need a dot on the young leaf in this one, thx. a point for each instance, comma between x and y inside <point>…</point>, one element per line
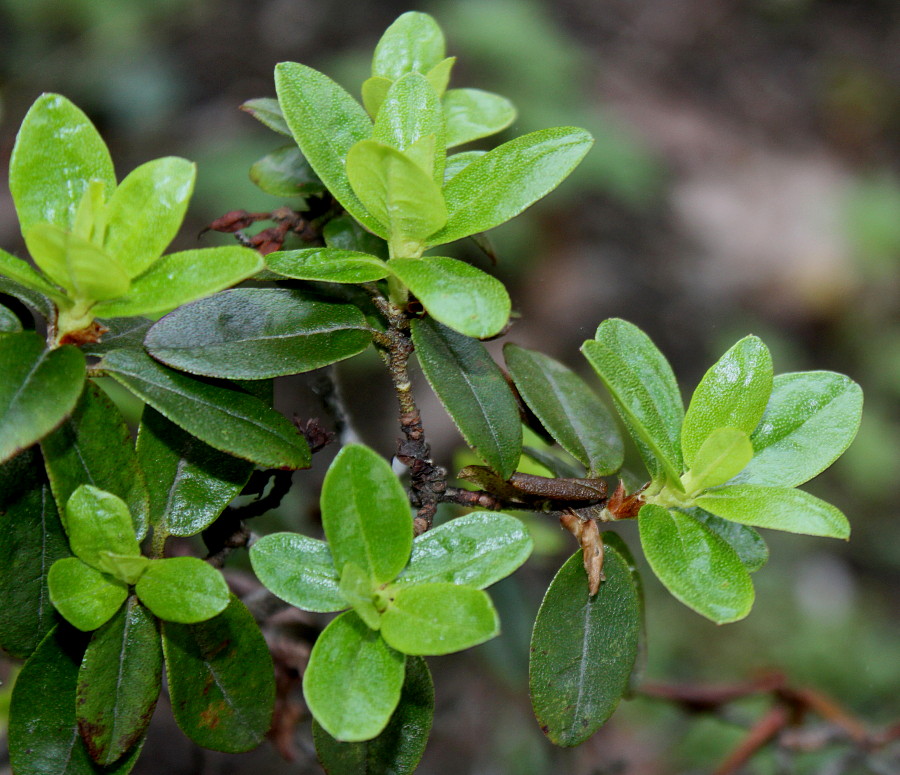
<point>326,122</point>
<point>778,508</point>
<point>184,590</point>
<point>458,162</point>
<point>472,114</point>
<point>439,75</point>
<point>568,408</point>
<point>221,680</point>
<point>366,514</point>
<point>118,683</point>
<point>438,618</point>
<point>84,596</point>
<point>97,522</point>
<point>733,394</point>
<point>374,90</point>
<point>358,590</point>
<point>502,183</point>
<point>257,333</point>
<point>353,680</point>
<point>190,483</point>
<point>94,446</point>
<point>57,153</point>
<point>299,570</point>
<point>285,172</point>
<point>21,272</point>
<point>229,420</point>
<point>811,418</point>
<point>413,43</point>
<point>583,649</point>
<point>179,278</point>
<point>724,453</point>
<point>38,391</point>
<point>328,265</point>
<point>477,550</point>
<point>746,542</point>
<point>456,294</point>
<point>645,393</point>
<point>399,747</point>
<point>267,111</point>
<point>696,565</point>
<point>473,391</point>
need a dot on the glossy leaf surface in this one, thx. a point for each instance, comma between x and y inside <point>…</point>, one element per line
<point>458,162</point>
<point>123,333</point>
<point>285,172</point>
<point>185,590</point>
<point>746,542</point>
<point>413,43</point>
<point>724,454</point>
<point>267,111</point>
<point>329,265</point>
<point>472,114</point>
<point>359,592</point>
<point>98,522</point>
<point>83,595</point>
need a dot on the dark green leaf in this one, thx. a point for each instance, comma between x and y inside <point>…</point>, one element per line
<point>746,542</point>
<point>119,683</point>
<point>554,463</point>
<point>221,681</point>
<point>229,420</point>
<point>38,301</point>
<point>257,333</point>
<point>84,596</point>
<point>285,172</point>
<point>98,522</point>
<point>38,391</point>
<point>343,233</point>
<point>399,747</point>
<point>267,111</point>
<point>190,483</point>
<point>121,334</point>
<point>413,43</point>
<point>473,391</point>
<point>185,590</point>
<point>583,649</point>
<point>473,113</point>
<point>353,680</point>
<point>30,282</point>
<point>568,408</point>
<point>328,265</point>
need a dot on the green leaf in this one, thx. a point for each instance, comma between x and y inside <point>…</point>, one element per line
<point>502,183</point>
<point>118,683</point>
<point>299,570</point>
<point>190,483</point>
<point>286,172</point>
<point>696,565</point>
<point>44,699</point>
<point>399,747</point>
<point>413,43</point>
<point>400,194</point>
<point>473,391</point>
<point>778,508</point>
<point>439,75</point>
<point>472,114</point>
<point>583,649</point>
<point>267,111</point>
<point>477,550</point>
<point>228,420</point>
<point>179,278</point>
<point>568,408</point>
<point>746,542</point>
<point>374,90</point>
<point>57,153</point>
<point>328,265</point>
<point>645,393</point>
<point>357,589</point>
<point>733,394</point>
<point>184,590</point>
<point>38,391</point>
<point>353,680</point>
<point>31,540</point>
<point>724,454</point>
<point>343,233</point>
<point>456,294</point>
<point>122,333</point>
<point>257,333</point>
<point>811,418</point>
<point>326,122</point>
<point>438,618</point>
<point>94,446</point>
<point>98,522</point>
<point>84,596</point>
<point>22,272</point>
<point>458,162</point>
<point>221,680</point>
<point>146,210</point>
<point>366,514</point>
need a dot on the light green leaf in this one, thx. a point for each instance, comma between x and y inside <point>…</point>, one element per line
<point>353,680</point>
<point>696,565</point>
<point>722,455</point>
<point>472,114</point>
<point>413,43</point>
<point>299,570</point>
<point>473,391</point>
<point>374,90</point>
<point>21,271</point>
<point>98,522</point>
<point>179,278</point>
<point>38,391</point>
<point>645,393</point>
<point>748,544</point>
<point>439,75</point>
<point>357,589</point>
<point>567,408</point>
<point>509,178</point>
<point>778,508</point>
<point>811,418</point>
<point>366,514</point>
<point>477,550</point>
<point>285,172</point>
<point>185,590</point>
<point>57,153</point>
<point>458,162</point>
<point>328,265</point>
<point>267,111</point>
<point>438,618</point>
<point>732,394</point>
<point>456,294</point>
<point>84,596</point>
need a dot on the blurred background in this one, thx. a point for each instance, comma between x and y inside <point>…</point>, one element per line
<point>745,179</point>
